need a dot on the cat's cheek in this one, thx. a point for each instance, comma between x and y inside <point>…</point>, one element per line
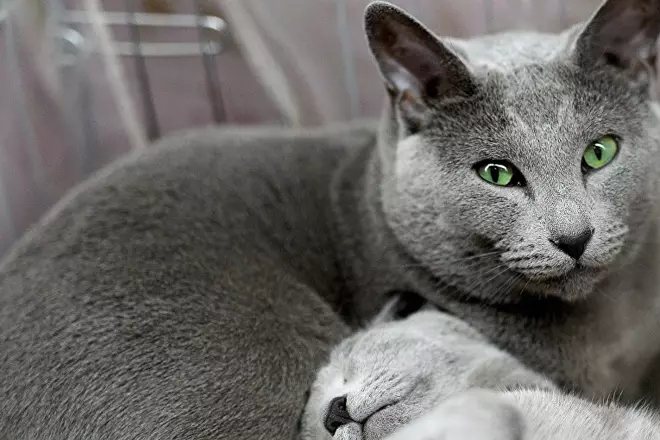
<point>624,215</point>
<point>490,215</point>
<point>330,383</point>
<point>626,187</point>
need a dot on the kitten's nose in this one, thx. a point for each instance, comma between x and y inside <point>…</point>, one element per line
<point>573,245</point>
<point>337,415</point>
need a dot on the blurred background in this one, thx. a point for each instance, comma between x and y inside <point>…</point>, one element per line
<point>85,81</point>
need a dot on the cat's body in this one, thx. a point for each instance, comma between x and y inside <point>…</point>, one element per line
<point>188,293</point>
<point>432,377</point>
<point>192,292</point>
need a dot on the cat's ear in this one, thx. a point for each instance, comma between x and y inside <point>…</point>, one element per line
<point>623,34</point>
<point>418,68</point>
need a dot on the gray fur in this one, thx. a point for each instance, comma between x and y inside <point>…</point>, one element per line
<point>538,101</point>
<point>173,297</point>
<point>408,368</point>
<point>432,377</point>
<point>191,292</point>
<point>529,415</point>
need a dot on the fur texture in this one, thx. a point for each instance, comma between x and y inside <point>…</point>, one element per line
<point>193,290</point>
<point>132,313</point>
<point>536,102</point>
<point>432,377</point>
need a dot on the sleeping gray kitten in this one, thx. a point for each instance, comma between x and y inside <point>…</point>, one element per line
<point>193,290</point>
<point>432,377</point>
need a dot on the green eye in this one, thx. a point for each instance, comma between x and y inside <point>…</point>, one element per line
<point>600,152</point>
<point>501,174</point>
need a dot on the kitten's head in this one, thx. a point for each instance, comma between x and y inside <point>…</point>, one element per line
<point>396,370</point>
<point>520,162</point>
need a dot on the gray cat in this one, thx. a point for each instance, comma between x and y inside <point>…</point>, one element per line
<point>192,291</point>
<point>432,377</point>
<point>490,186</point>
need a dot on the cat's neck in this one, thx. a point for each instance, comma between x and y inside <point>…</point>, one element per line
<point>374,264</point>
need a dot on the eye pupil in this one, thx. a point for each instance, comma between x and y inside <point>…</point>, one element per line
<point>598,151</point>
<point>495,173</point>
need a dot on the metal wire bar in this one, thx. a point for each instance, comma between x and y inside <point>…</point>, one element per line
<point>68,48</point>
<point>115,75</point>
<point>19,102</point>
<point>489,15</point>
<point>211,74</point>
<point>146,92</point>
<point>5,206</point>
<point>150,19</point>
<point>348,60</point>
<point>4,11</point>
<point>80,111</point>
<point>562,13</point>
<point>260,58</point>
<point>209,23</point>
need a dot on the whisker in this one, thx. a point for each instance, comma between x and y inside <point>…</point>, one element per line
<point>483,283</point>
<point>457,259</point>
<point>507,285</point>
<point>522,291</point>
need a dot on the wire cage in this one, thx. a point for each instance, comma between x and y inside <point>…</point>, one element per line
<point>85,81</point>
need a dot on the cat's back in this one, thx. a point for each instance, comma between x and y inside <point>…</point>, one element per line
<point>124,304</point>
<point>213,185</point>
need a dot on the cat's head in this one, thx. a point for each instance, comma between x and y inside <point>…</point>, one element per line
<point>521,161</point>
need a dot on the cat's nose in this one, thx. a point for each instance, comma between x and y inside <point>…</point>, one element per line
<point>337,415</point>
<point>573,245</point>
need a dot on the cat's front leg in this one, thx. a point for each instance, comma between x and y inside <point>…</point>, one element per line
<point>528,414</point>
<point>473,415</point>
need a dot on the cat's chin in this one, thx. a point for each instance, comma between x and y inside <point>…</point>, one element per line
<point>577,284</point>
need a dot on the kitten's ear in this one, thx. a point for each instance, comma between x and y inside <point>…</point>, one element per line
<point>623,34</point>
<point>401,305</point>
<point>418,68</point>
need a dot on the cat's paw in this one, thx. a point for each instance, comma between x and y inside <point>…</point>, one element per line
<point>473,415</point>
<point>382,378</point>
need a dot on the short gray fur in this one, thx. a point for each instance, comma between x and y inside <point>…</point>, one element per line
<point>433,377</point>
<point>192,291</point>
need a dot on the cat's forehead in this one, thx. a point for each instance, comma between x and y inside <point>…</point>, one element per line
<point>526,73</point>
<point>540,95</point>
<point>532,92</point>
<point>512,50</point>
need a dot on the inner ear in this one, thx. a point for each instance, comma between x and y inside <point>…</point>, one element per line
<point>407,303</point>
<point>622,34</point>
<point>418,68</point>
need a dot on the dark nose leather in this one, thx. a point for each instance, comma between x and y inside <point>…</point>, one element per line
<point>573,245</point>
<point>337,415</point>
